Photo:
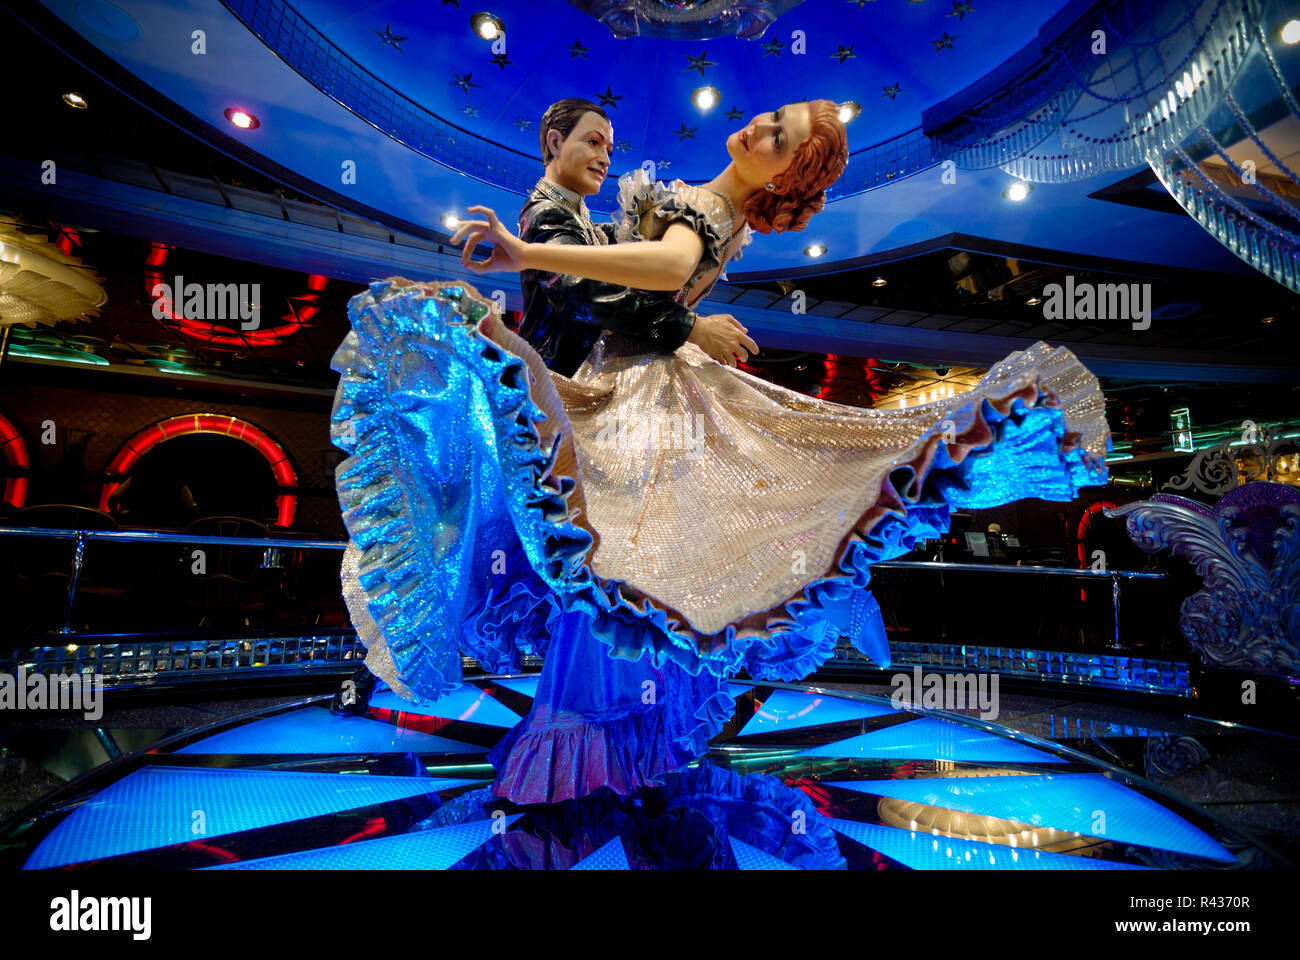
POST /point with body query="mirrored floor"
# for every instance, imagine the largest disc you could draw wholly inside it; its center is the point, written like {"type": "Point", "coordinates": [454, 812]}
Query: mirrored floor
{"type": "Point", "coordinates": [802, 778]}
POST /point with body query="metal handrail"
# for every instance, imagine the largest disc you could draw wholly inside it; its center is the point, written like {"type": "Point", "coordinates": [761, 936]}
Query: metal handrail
{"type": "Point", "coordinates": [159, 536]}
{"type": "Point", "coordinates": [1008, 568]}
{"type": "Point", "coordinates": [81, 537]}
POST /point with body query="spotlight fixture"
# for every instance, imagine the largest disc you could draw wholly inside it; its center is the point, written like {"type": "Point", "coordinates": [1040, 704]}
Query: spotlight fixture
{"type": "Point", "coordinates": [242, 118]}
{"type": "Point", "coordinates": [1033, 301]}
{"type": "Point", "coordinates": [814, 250]}
{"type": "Point", "coordinates": [487, 25]}
{"type": "Point", "coordinates": [879, 282]}
{"type": "Point", "coordinates": [1267, 319]}
{"type": "Point", "coordinates": [1017, 191]}
{"type": "Point", "coordinates": [705, 98]}
{"type": "Point", "coordinates": [450, 221]}
{"type": "Point", "coordinates": [849, 111]}
{"type": "Point", "coordinates": [75, 100]}
{"type": "Point", "coordinates": [1291, 32]}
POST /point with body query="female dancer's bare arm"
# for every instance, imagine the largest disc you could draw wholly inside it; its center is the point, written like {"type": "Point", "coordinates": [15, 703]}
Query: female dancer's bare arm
{"type": "Point", "coordinates": [664, 264]}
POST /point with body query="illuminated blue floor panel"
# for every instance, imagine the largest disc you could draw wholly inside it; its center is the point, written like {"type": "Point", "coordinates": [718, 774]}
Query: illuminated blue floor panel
{"type": "Point", "coordinates": [317, 731]}
{"type": "Point", "coordinates": [525, 685]}
{"type": "Point", "coordinates": [924, 851]}
{"type": "Point", "coordinates": [791, 709]}
{"type": "Point", "coordinates": [1085, 803]}
{"type": "Point", "coordinates": [932, 739]}
{"type": "Point", "coordinates": [425, 850]}
{"type": "Point", "coordinates": [467, 703]}
{"type": "Point", "coordinates": [609, 857]}
{"type": "Point", "coordinates": [162, 817]}
{"type": "Point", "coordinates": [160, 806]}
{"type": "Point", "coordinates": [749, 857]}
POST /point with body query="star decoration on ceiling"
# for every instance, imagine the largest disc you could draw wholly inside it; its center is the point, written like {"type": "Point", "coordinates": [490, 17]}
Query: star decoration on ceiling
{"type": "Point", "coordinates": [463, 82]}
{"type": "Point", "coordinates": [609, 98]}
{"type": "Point", "coordinates": [735, 113]}
{"type": "Point", "coordinates": [772, 48]}
{"type": "Point", "coordinates": [624, 146]}
{"type": "Point", "coordinates": [844, 53]}
{"type": "Point", "coordinates": [500, 60]}
{"type": "Point", "coordinates": [471, 111]}
{"type": "Point", "coordinates": [700, 62]}
{"type": "Point", "coordinates": [685, 132]}
{"type": "Point", "coordinates": [943, 43]}
{"type": "Point", "coordinates": [960, 9]}
{"type": "Point", "coordinates": [578, 50]}
{"type": "Point", "coordinates": [892, 92]}
{"type": "Point", "coordinates": [523, 124]}
{"type": "Point", "coordinates": [665, 164]}
{"type": "Point", "coordinates": [387, 38]}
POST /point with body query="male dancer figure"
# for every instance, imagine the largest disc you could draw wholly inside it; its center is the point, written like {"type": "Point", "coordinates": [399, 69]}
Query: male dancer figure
{"type": "Point", "coordinates": [564, 315]}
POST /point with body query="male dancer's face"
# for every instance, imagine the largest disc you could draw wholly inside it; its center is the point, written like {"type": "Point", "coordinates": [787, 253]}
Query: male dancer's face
{"type": "Point", "coordinates": [580, 162]}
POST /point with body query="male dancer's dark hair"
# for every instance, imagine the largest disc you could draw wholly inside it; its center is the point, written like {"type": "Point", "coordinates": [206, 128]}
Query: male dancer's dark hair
{"type": "Point", "coordinates": [563, 115]}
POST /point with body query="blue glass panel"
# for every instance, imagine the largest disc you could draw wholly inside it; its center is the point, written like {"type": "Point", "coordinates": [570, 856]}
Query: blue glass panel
{"type": "Point", "coordinates": [737, 689]}
{"type": "Point", "coordinates": [467, 703]}
{"type": "Point", "coordinates": [791, 709]}
{"type": "Point", "coordinates": [426, 850]}
{"type": "Point", "coordinates": [931, 739]}
{"type": "Point", "coordinates": [316, 730]}
{"type": "Point", "coordinates": [525, 685]}
{"type": "Point", "coordinates": [158, 806]}
{"type": "Point", "coordinates": [924, 851]}
{"type": "Point", "coordinates": [1085, 803]}
{"type": "Point", "coordinates": [751, 858]}
{"type": "Point", "coordinates": [608, 857]}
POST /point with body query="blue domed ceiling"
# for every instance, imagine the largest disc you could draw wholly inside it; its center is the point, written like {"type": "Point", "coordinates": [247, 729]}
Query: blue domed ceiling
{"type": "Point", "coordinates": [893, 58]}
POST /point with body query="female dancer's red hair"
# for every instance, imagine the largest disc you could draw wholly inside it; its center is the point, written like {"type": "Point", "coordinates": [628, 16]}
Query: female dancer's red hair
{"type": "Point", "coordinates": [800, 190]}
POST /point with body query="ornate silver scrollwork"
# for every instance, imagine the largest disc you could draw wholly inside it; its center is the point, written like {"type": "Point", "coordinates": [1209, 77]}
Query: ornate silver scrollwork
{"type": "Point", "coordinates": [1214, 471]}
{"type": "Point", "coordinates": [1246, 551]}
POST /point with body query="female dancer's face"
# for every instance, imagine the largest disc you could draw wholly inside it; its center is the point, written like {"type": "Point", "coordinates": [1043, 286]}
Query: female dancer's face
{"type": "Point", "coordinates": [766, 146]}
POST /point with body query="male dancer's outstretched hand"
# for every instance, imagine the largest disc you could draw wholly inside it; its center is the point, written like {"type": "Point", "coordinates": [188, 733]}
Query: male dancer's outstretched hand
{"type": "Point", "coordinates": [721, 336]}
{"type": "Point", "coordinates": [508, 251]}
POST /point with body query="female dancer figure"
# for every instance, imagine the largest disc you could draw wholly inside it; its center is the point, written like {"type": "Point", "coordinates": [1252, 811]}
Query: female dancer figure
{"type": "Point", "coordinates": [658, 522]}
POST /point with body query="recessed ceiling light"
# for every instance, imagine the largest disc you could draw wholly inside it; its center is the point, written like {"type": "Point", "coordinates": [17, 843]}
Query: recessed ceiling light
{"type": "Point", "coordinates": [814, 250]}
{"type": "Point", "coordinates": [242, 118]}
{"type": "Point", "coordinates": [1267, 319]}
{"type": "Point", "coordinates": [1291, 32]}
{"type": "Point", "coordinates": [705, 98]}
{"type": "Point", "coordinates": [75, 100]}
{"type": "Point", "coordinates": [1034, 301]}
{"type": "Point", "coordinates": [849, 111]}
{"type": "Point", "coordinates": [487, 25]}
{"type": "Point", "coordinates": [1017, 191]}
{"type": "Point", "coordinates": [450, 221]}
{"type": "Point", "coordinates": [879, 282]}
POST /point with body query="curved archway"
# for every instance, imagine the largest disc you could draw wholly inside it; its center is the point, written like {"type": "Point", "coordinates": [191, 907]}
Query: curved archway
{"type": "Point", "coordinates": [194, 423]}
{"type": "Point", "coordinates": [15, 453]}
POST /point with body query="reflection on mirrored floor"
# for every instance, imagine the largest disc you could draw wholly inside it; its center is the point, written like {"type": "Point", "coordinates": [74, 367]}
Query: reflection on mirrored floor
{"type": "Point", "coordinates": [802, 778]}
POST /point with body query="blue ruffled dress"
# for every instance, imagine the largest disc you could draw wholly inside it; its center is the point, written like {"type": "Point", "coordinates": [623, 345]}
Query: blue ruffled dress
{"type": "Point", "coordinates": [490, 516]}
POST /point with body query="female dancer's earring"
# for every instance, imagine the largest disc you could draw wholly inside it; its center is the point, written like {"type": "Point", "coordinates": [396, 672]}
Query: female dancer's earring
{"type": "Point", "coordinates": [770, 186]}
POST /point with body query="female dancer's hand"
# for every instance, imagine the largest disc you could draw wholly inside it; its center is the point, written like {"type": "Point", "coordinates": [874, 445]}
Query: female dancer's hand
{"type": "Point", "coordinates": [508, 251]}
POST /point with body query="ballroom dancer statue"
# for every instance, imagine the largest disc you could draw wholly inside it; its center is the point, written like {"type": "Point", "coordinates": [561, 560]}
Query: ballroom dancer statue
{"type": "Point", "coordinates": [563, 315]}
{"type": "Point", "coordinates": [657, 511]}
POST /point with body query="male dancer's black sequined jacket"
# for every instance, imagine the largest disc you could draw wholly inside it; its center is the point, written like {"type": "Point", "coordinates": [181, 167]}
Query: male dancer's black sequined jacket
{"type": "Point", "coordinates": [564, 315]}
